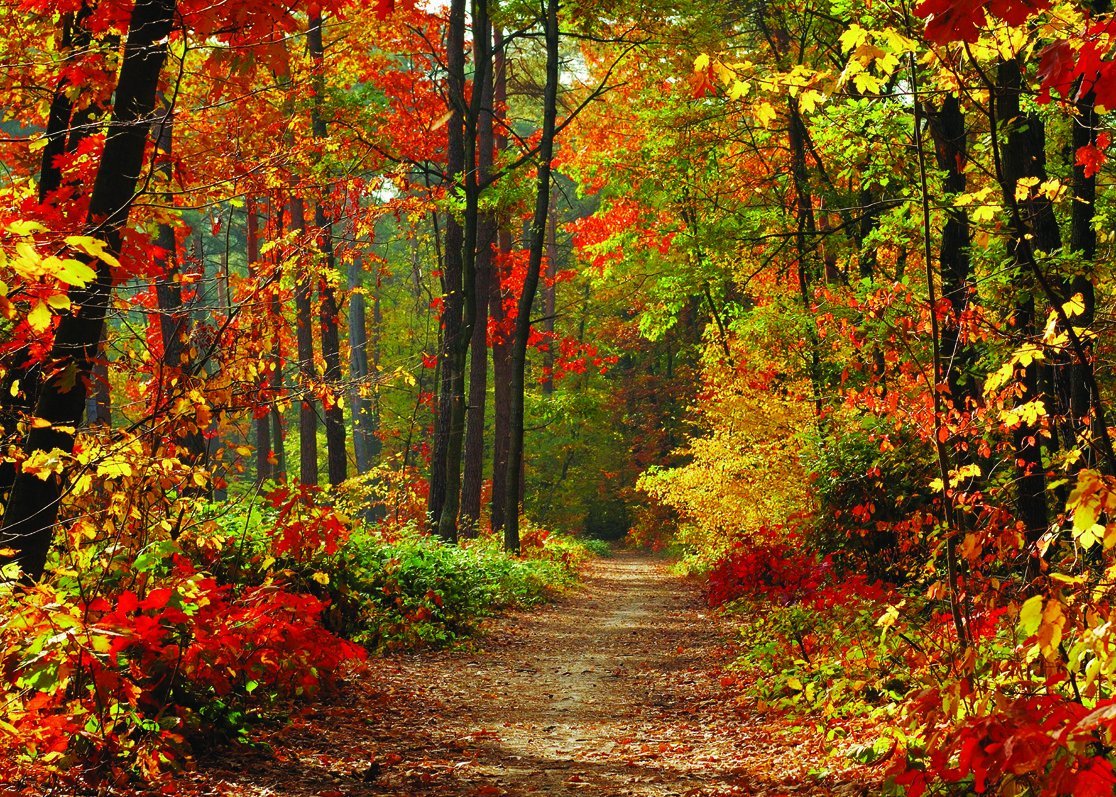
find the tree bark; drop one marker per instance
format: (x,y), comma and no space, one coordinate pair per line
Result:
(304,335)
(261,415)
(336,457)
(498,289)
(32,508)
(452,275)
(1034,228)
(175,373)
(512,486)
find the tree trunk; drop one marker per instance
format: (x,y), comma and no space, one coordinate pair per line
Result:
(484,227)
(498,287)
(451,383)
(175,373)
(304,334)
(550,297)
(947,128)
(805,236)
(336,458)
(261,415)
(1034,228)
(360,404)
(512,487)
(32,508)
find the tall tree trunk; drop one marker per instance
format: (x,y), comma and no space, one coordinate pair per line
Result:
(19,383)
(1083,241)
(452,275)
(947,128)
(512,487)
(805,237)
(275,316)
(360,403)
(499,287)
(261,415)
(32,508)
(550,296)
(176,373)
(486,226)
(304,335)
(1034,229)
(456,347)
(336,458)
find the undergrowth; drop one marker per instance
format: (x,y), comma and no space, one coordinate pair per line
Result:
(125,661)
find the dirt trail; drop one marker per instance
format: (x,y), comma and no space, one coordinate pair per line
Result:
(615,690)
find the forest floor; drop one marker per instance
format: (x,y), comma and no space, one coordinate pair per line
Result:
(615,689)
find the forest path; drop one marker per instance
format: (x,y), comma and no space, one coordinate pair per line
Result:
(613,690)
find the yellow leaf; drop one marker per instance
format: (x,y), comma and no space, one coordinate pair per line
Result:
(39,317)
(93,247)
(701,63)
(320,577)
(59,301)
(853,37)
(114,468)
(764,113)
(74,272)
(738,90)
(42,464)
(1030,614)
(985,213)
(810,100)
(25,228)
(1075,306)
(866,83)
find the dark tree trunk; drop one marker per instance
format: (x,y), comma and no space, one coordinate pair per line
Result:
(275,317)
(498,288)
(19,385)
(805,237)
(550,297)
(176,372)
(1034,229)
(947,128)
(304,335)
(473,478)
(32,508)
(513,485)
(1083,241)
(336,458)
(262,415)
(451,385)
(482,228)
(360,403)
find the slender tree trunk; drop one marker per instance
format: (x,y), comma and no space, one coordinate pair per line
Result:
(336,457)
(947,128)
(805,235)
(304,334)
(275,316)
(513,487)
(32,507)
(486,226)
(499,288)
(447,446)
(360,405)
(261,415)
(1034,229)
(550,296)
(175,372)
(473,478)
(20,381)
(1083,241)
